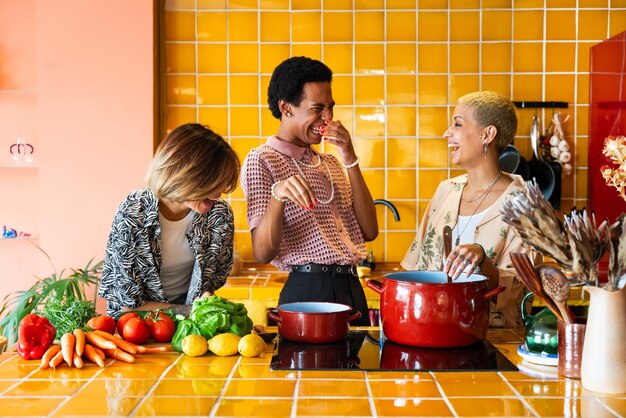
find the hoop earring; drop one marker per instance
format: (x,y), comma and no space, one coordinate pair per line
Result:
(485,147)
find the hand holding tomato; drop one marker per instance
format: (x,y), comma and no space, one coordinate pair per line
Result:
(102,323)
(162,327)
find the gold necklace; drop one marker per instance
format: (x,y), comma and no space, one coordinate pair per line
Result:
(486,191)
(484,196)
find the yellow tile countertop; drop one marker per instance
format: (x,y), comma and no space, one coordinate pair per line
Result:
(173,384)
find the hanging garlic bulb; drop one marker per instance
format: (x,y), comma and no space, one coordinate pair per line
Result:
(559,148)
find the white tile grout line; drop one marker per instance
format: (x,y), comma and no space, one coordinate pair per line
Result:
(259,93)
(443,394)
(196,63)
(370,396)
(70,397)
(227,382)
(296,389)
(228,79)
(518,395)
(153,387)
(450,107)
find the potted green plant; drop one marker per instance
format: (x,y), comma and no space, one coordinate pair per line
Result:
(65,285)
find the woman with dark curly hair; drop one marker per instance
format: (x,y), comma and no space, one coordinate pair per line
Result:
(172,242)
(306,215)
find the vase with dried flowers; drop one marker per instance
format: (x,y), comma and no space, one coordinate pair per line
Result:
(577,244)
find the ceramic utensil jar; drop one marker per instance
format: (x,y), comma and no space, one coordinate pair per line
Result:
(571,337)
(603,367)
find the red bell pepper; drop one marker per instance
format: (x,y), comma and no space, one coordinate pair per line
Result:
(35,334)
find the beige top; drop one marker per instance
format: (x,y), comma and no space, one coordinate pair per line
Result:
(497,238)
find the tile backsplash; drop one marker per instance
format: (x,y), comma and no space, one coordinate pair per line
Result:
(399,67)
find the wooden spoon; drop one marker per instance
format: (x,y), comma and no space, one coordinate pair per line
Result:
(528,276)
(557,287)
(447,246)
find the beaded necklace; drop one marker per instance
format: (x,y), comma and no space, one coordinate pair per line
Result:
(330,177)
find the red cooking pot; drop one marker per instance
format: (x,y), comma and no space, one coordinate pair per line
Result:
(313,322)
(421,309)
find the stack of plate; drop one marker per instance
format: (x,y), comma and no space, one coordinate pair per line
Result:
(542,365)
(543,359)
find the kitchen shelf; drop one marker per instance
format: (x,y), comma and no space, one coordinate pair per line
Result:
(31,166)
(18,91)
(31,238)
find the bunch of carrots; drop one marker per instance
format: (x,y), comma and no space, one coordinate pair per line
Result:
(95,346)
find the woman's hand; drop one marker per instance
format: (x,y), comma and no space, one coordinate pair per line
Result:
(204,295)
(462,257)
(335,133)
(296,189)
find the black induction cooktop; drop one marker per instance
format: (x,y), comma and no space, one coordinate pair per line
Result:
(363,350)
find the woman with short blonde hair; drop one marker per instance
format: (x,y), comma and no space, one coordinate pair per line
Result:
(172,242)
(482,125)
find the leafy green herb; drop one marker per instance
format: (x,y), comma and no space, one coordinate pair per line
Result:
(68,315)
(60,286)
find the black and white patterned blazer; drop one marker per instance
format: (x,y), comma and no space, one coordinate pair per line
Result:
(132,263)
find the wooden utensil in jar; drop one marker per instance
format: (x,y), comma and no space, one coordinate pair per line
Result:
(557,287)
(528,276)
(447,246)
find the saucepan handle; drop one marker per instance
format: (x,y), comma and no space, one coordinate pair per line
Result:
(273,316)
(494,292)
(354,316)
(376,286)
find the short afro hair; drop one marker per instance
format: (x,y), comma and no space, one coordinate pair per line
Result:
(288,79)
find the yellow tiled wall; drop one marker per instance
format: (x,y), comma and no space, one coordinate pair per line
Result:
(399,67)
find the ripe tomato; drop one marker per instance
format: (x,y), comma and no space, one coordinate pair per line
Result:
(162,327)
(123,319)
(136,331)
(102,323)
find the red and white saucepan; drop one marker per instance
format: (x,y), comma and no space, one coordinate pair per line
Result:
(421,309)
(313,322)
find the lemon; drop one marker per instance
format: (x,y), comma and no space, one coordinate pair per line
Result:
(251,345)
(224,344)
(194,345)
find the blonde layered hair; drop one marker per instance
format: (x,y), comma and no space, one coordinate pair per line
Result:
(192,163)
(490,108)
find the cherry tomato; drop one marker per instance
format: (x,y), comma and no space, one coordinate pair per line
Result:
(123,319)
(162,327)
(136,330)
(102,323)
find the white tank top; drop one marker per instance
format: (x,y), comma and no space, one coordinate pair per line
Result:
(467,226)
(176,256)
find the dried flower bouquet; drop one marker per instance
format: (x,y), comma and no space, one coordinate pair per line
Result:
(577,243)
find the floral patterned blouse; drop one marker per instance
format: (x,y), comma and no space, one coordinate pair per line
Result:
(497,238)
